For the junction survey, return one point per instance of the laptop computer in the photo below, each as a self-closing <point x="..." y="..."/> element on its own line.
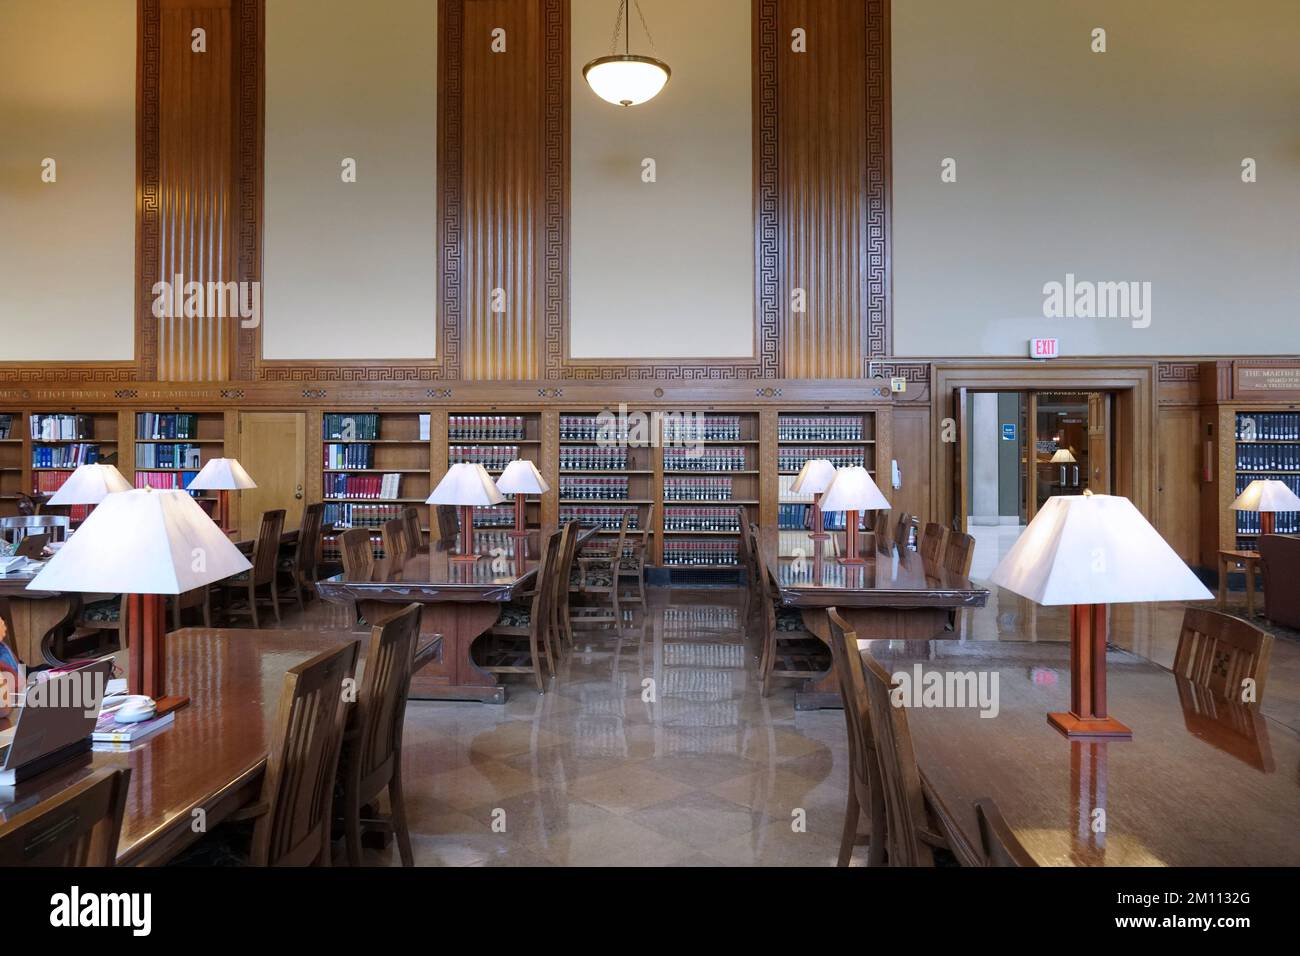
<point x="55" y="721"/>
<point x="32" y="546"/>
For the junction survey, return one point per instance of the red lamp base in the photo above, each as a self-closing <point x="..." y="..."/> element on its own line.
<point x="1074" y="726"/>
<point x="467" y="553"/>
<point x="147" y="661"/>
<point x="818" y="533"/>
<point x="852" y="553"/>
<point x="1087" y="715"/>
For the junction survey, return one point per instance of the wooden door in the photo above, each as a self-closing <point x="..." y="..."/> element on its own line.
<point x="272" y="449"/>
<point x="959" y="458"/>
<point x="1098" y="479"/>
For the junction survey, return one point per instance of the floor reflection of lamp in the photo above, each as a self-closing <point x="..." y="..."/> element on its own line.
<point x="468" y="485"/>
<point x="1090" y="551"/>
<point x="222" y="475"/>
<point x="852" y="490"/>
<point x="814" y="478"/>
<point x="145" y="544"/>
<point x="1263" y="495"/>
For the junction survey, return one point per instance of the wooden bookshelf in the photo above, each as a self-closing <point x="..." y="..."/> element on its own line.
<point x="842" y="437"/>
<point x="494" y="438"/>
<point x="710" y="469"/>
<point x="60" y="441"/>
<point x="601" y="476"/>
<point x="13" y="460"/>
<point x="1266" y="445"/>
<point x="373" y="464"/>
<point x="171" y="447"/>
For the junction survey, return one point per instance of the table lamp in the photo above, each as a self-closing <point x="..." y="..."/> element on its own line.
<point x="1266" y="496"/>
<point x="1063" y="457"/>
<point x="144" y="543"/>
<point x="521" y="478"/>
<point x="852" y="490"/>
<point x="222" y="475"/>
<point x="1089" y="551"/>
<point x="89" y="485"/>
<point x="467" y="485"/>
<point x="813" y="479"/>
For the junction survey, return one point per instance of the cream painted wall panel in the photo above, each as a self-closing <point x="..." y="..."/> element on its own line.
<point x="67" y="249"/>
<point x="664" y="270"/>
<point x="350" y="270"/>
<point x="1117" y="166"/>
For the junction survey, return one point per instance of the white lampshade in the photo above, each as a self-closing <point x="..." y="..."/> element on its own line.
<point x="626" y="80"/>
<point x="853" y="490"/>
<point x="221" y="474"/>
<point x="466" y="483"/>
<point x="521" y="477"/>
<point x="814" y="477"/>
<point x="142" y="542"/>
<point x="1094" y="549"/>
<point x="89" y="485"/>
<point x="1063" y="457"/>
<point x="1267" y="494"/>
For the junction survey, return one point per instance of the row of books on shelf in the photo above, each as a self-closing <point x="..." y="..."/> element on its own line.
<point x="163" y="455"/>
<point x="606" y="518"/>
<point x="701" y="428"/>
<point x="62" y="427"/>
<point x="1284" y="522"/>
<point x="792" y="459"/>
<point x="713" y="552"/>
<point x="1263" y="457"/>
<point x="595" y="489"/>
<point x="593" y="458"/>
<point x="358" y="515"/>
<point x="6" y="426"/>
<point x="697" y="489"/>
<point x="794" y="516"/>
<point x="494" y="516"/>
<point x="707" y="459"/>
<point x="485" y="427"/>
<point x="166" y="480"/>
<point x="702" y="519"/>
<point x="362" y="486"/>
<point x="64" y="456"/>
<point x="163" y="425"/>
<point x="331" y="548"/>
<point x="359" y="426"/>
<point x="349" y="456"/>
<point x="590" y="428"/>
<point x="786" y="492"/>
<point x="491" y="457"/>
<point x="819" y="428"/>
<point x="1268" y="425"/>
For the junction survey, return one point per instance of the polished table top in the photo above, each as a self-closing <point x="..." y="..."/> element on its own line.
<point x="819" y="580"/>
<point x="216" y="746"/>
<point x="1201" y="783"/>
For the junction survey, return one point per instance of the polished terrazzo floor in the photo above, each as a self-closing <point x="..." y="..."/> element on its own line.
<point x="704" y="772"/>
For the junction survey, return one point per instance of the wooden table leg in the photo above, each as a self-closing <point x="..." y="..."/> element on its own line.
<point x="454" y="675"/>
<point x="35" y="620"/>
<point x="869" y="623"/>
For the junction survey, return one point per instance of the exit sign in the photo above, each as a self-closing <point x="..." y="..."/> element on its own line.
<point x="1044" y="348"/>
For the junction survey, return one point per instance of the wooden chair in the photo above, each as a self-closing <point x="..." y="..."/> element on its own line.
<point x="959" y="553"/>
<point x="371" y="760"/>
<point x="749" y="562"/>
<point x="301" y="565"/>
<point x="911" y="838"/>
<point x="1219" y="652"/>
<point x="596" y="575"/>
<point x="932" y="542"/>
<point x="517" y="643"/>
<point x="266" y="556"/>
<point x="903" y="533"/>
<point x="78" y="826"/>
<point x="448" y="525"/>
<point x="293" y="814"/>
<point x="865" y="794"/>
<point x="396" y="543"/>
<point x="1001" y="848"/>
<point x="561" y="626"/>
<point x="414" y="536"/>
<point x="880" y="532"/>
<point x="788" y="649"/>
<point x="631" y="565"/>
<point x="358" y="554"/>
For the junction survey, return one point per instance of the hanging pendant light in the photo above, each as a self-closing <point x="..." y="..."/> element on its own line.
<point x="622" y="78"/>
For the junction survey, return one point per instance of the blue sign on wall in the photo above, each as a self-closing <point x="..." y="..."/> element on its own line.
<point x="1009" y="431"/>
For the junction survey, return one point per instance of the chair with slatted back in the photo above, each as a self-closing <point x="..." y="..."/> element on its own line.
<point x="903" y="533"/>
<point x="880" y="530"/>
<point x="595" y="576"/>
<point x="911" y="836"/>
<point x="1001" y="848"/>
<point x="789" y="649"/>
<point x="865" y="794"/>
<point x="371" y="760"/>
<point x="1220" y="652"/>
<point x="414" y="536"/>
<point x="78" y="826"/>
<point x="396" y="544"/>
<point x="300" y="567"/>
<point x="932" y="542"/>
<point x="631" y="566"/>
<point x="266" y="556"/>
<point x="748" y="563"/>
<point x="293" y="813"/>
<point x="448" y="525"/>
<point x="960" y="552"/>
<point x="358" y="554"/>
<point x="558" y="611"/>
<point x="517" y="643"/>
